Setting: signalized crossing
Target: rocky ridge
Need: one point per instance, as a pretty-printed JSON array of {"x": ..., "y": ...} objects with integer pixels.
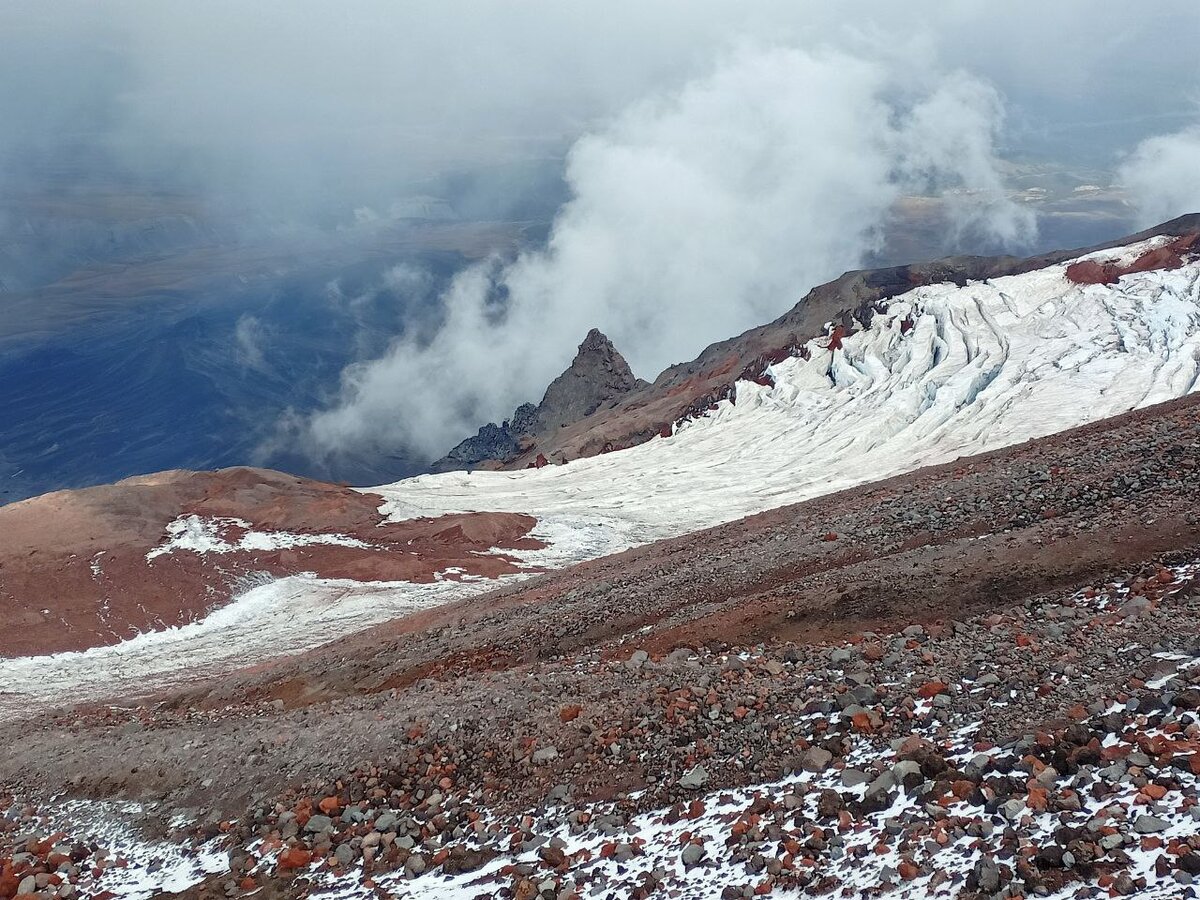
[
  {"x": 849, "y": 302},
  {"x": 597, "y": 377}
]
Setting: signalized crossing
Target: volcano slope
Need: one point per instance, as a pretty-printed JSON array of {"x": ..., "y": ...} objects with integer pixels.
[
  {"x": 853, "y": 301},
  {"x": 942, "y": 371},
  {"x": 822, "y": 644},
  {"x": 95, "y": 567},
  {"x": 975, "y": 677}
]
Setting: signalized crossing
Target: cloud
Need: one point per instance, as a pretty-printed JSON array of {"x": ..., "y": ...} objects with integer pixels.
[
  {"x": 301, "y": 107},
  {"x": 710, "y": 185},
  {"x": 249, "y": 337},
  {"x": 1162, "y": 176},
  {"x": 953, "y": 133},
  {"x": 697, "y": 213}
]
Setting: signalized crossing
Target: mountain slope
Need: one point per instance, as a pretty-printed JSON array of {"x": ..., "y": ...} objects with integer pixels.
[
  {"x": 860, "y": 638},
  {"x": 943, "y": 372},
  {"x": 684, "y": 694},
  {"x": 851, "y": 300}
]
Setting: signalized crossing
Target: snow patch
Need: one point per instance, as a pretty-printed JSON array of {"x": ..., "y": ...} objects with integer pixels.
[{"x": 199, "y": 534}]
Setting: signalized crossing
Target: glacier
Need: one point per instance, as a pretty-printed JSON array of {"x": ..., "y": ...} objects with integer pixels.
[{"x": 985, "y": 366}]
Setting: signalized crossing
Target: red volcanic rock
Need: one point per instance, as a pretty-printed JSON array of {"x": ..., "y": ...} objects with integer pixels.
[
  {"x": 835, "y": 338},
  {"x": 1168, "y": 256},
  {"x": 294, "y": 858},
  {"x": 1091, "y": 272},
  {"x": 931, "y": 689},
  {"x": 756, "y": 371},
  {"x": 74, "y": 571}
]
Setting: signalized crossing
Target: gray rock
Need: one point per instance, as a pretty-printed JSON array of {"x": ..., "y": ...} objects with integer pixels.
[
  {"x": 978, "y": 763},
  {"x": 696, "y": 778},
  {"x": 816, "y": 759},
  {"x": 852, "y": 777},
  {"x": 693, "y": 855},
  {"x": 1013, "y": 809},
  {"x": 415, "y": 864},
  {"x": 987, "y": 876},
  {"x": 880, "y": 787},
  {"x": 866, "y": 694},
  {"x": 1150, "y": 824},
  {"x": 624, "y": 852},
  {"x": 385, "y": 822},
  {"x": 317, "y": 824},
  {"x": 1048, "y": 776}
]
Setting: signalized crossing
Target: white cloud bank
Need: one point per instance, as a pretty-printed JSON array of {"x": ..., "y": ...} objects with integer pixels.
[
  {"x": 695, "y": 214},
  {"x": 1162, "y": 176}
]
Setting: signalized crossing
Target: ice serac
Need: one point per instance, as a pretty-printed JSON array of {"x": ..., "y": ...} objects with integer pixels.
[
  {"x": 684, "y": 390},
  {"x": 597, "y": 378},
  {"x": 940, "y": 371}
]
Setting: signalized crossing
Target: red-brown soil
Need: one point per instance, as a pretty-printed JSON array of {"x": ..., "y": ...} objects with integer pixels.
[
  {"x": 74, "y": 572},
  {"x": 1169, "y": 256},
  {"x": 713, "y": 648},
  {"x": 939, "y": 543}
]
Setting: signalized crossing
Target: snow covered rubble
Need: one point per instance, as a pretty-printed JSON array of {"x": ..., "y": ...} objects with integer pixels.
[
  {"x": 984, "y": 366},
  {"x": 88, "y": 848},
  {"x": 896, "y": 783}
]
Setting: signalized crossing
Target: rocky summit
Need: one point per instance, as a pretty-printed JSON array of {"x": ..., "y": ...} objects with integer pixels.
[
  {"x": 900, "y": 603},
  {"x": 597, "y": 377}
]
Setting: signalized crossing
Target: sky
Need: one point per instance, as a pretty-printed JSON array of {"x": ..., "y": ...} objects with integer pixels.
[{"x": 719, "y": 157}]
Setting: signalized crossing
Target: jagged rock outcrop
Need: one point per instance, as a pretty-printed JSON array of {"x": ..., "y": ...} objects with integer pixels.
[
  {"x": 597, "y": 375},
  {"x": 597, "y": 378}
]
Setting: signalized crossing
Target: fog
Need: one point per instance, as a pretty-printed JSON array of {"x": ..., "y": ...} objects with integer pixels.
[
  {"x": 719, "y": 157},
  {"x": 302, "y": 106},
  {"x": 1162, "y": 176},
  {"x": 695, "y": 215}
]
